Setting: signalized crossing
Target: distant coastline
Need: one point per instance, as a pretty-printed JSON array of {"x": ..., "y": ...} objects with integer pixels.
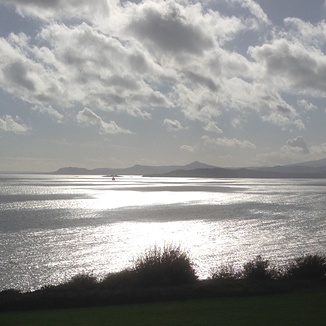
[{"x": 311, "y": 169}]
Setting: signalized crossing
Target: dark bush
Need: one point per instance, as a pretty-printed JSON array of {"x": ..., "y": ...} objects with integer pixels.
[
  {"x": 258, "y": 269},
  {"x": 225, "y": 272},
  {"x": 80, "y": 282},
  {"x": 120, "y": 280},
  {"x": 170, "y": 266},
  {"x": 309, "y": 267},
  {"x": 10, "y": 292}
]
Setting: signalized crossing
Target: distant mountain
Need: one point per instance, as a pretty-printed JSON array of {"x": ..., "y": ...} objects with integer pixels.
[
  {"x": 311, "y": 169},
  {"x": 72, "y": 170},
  {"x": 294, "y": 169},
  {"x": 198, "y": 165},
  {"x": 314, "y": 164},
  {"x": 242, "y": 173},
  {"x": 134, "y": 170}
]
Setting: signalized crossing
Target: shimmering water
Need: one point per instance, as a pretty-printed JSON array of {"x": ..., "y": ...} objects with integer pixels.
[{"x": 54, "y": 227}]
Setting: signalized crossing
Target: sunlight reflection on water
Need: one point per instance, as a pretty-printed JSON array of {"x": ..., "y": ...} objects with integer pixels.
[{"x": 53, "y": 228}]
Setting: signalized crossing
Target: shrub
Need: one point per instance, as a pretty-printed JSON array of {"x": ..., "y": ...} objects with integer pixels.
[
  {"x": 258, "y": 269},
  {"x": 225, "y": 272},
  {"x": 308, "y": 267},
  {"x": 167, "y": 266},
  {"x": 120, "y": 280},
  {"x": 80, "y": 282},
  {"x": 10, "y": 292}
]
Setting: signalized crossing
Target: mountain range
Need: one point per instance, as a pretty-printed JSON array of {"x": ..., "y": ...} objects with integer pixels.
[
  {"x": 309, "y": 169},
  {"x": 135, "y": 170}
]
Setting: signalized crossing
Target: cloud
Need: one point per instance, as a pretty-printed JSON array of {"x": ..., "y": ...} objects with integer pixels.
[
  {"x": 306, "y": 105},
  {"x": 319, "y": 150},
  {"x": 87, "y": 117},
  {"x": 213, "y": 127},
  {"x": 294, "y": 151},
  {"x": 9, "y": 124},
  {"x": 236, "y": 123},
  {"x": 257, "y": 97},
  {"x": 188, "y": 148},
  {"x": 292, "y": 67},
  {"x": 285, "y": 122},
  {"x": 81, "y": 65},
  {"x": 17, "y": 73},
  {"x": 255, "y": 9},
  {"x": 172, "y": 125},
  {"x": 54, "y": 114},
  {"x": 166, "y": 28},
  {"x": 305, "y": 32},
  {"x": 228, "y": 142},
  {"x": 135, "y": 57},
  {"x": 202, "y": 80},
  {"x": 198, "y": 102},
  {"x": 61, "y": 9},
  {"x": 296, "y": 145},
  {"x": 148, "y": 55},
  {"x": 25, "y": 78}
]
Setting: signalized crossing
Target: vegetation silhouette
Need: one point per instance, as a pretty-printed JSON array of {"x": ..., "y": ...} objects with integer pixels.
[
  {"x": 164, "y": 274},
  {"x": 167, "y": 266},
  {"x": 157, "y": 267},
  {"x": 259, "y": 269},
  {"x": 308, "y": 267}
]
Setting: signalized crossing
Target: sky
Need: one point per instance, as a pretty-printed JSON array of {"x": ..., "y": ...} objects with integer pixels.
[{"x": 231, "y": 83}]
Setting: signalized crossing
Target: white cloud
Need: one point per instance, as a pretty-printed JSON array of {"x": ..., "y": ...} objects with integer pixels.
[
  {"x": 296, "y": 145},
  {"x": 198, "y": 102},
  {"x": 213, "y": 127},
  {"x": 188, "y": 148},
  {"x": 306, "y": 105},
  {"x": 236, "y": 123},
  {"x": 258, "y": 97},
  {"x": 9, "y": 124},
  {"x": 279, "y": 119},
  {"x": 89, "y": 118},
  {"x": 21, "y": 76},
  {"x": 319, "y": 150},
  {"x": 295, "y": 150},
  {"x": 61, "y": 9},
  {"x": 172, "y": 125},
  {"x": 292, "y": 67},
  {"x": 255, "y": 9},
  {"x": 106, "y": 74},
  {"x": 228, "y": 142},
  {"x": 112, "y": 67},
  {"x": 54, "y": 114},
  {"x": 305, "y": 32},
  {"x": 141, "y": 59}
]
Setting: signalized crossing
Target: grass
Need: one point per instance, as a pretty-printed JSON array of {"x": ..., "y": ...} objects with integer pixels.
[{"x": 304, "y": 307}]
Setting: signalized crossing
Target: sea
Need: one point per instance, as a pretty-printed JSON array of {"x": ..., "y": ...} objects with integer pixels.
[{"x": 53, "y": 227}]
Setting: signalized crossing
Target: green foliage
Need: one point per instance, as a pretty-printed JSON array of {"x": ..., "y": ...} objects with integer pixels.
[
  {"x": 167, "y": 266},
  {"x": 258, "y": 269},
  {"x": 308, "y": 267}
]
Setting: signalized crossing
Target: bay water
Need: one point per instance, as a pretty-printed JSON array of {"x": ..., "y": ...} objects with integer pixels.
[{"x": 53, "y": 227}]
